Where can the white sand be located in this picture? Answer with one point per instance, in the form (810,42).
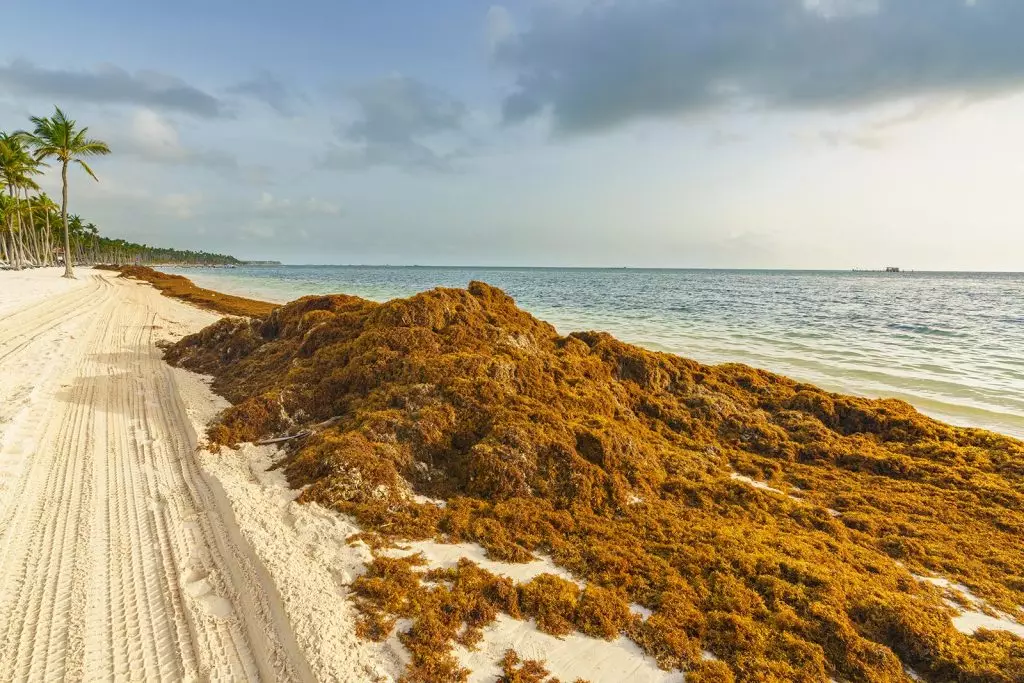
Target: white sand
(447,555)
(23,287)
(111,567)
(979,615)
(574,656)
(301,551)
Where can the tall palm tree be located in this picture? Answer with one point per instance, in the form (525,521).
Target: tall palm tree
(57,136)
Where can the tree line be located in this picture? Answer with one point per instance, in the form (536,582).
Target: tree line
(35,231)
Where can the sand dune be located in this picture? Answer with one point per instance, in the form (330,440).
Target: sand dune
(111,565)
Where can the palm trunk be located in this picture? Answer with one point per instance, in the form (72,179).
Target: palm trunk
(12,248)
(68,270)
(15,219)
(25,256)
(19,250)
(46,241)
(37,232)
(37,252)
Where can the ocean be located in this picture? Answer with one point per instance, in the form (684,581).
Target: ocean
(951,344)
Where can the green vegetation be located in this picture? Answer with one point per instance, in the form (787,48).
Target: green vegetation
(35,231)
(619,463)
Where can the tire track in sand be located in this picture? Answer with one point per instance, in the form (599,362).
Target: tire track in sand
(112,564)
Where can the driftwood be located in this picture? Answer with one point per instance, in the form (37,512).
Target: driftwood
(318,426)
(282,438)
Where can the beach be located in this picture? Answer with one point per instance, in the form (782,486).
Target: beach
(129,551)
(122,559)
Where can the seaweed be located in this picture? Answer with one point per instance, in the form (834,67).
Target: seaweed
(515,670)
(181,287)
(618,462)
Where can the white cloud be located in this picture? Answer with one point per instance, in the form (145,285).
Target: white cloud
(153,137)
(181,205)
(314,205)
(258,230)
(835,9)
(269,204)
(153,132)
(499,27)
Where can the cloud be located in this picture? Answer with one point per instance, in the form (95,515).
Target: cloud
(499,27)
(268,89)
(108,84)
(270,217)
(607,63)
(181,205)
(861,139)
(401,122)
(154,138)
(314,205)
(268,204)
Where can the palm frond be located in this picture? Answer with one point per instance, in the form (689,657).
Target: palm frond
(87,169)
(58,136)
(91,147)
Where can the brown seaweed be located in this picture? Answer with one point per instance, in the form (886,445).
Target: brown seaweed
(617,462)
(181,287)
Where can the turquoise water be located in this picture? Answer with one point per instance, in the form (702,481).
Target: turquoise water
(952,344)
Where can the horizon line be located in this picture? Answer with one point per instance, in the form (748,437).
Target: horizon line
(908,271)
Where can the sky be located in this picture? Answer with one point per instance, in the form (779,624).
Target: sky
(642,133)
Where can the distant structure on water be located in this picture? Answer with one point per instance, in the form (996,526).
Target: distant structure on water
(887,269)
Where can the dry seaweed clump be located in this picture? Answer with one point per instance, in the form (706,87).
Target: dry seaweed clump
(516,670)
(181,287)
(446,606)
(619,463)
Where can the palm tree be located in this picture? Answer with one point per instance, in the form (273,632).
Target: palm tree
(56,136)
(16,170)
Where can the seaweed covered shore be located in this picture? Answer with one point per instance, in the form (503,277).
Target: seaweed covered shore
(631,469)
(181,287)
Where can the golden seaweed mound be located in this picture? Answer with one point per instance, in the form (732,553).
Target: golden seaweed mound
(634,471)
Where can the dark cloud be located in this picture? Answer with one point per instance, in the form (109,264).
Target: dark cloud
(270,90)
(398,118)
(108,84)
(613,62)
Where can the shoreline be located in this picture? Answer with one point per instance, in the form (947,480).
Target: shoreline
(286,562)
(956,403)
(180,287)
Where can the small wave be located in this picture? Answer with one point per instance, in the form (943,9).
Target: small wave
(924,329)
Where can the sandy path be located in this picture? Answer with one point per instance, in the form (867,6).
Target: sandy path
(112,565)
